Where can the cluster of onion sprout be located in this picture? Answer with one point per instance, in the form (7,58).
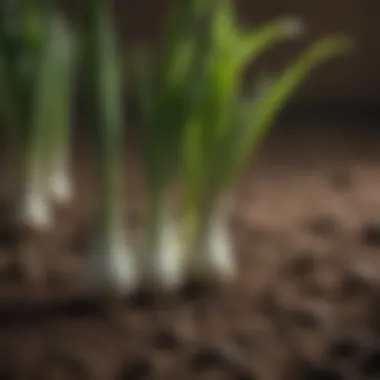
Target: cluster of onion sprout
(198,130)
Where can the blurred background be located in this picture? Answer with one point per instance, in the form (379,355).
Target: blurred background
(345,86)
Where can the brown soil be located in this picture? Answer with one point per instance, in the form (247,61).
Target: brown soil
(306,306)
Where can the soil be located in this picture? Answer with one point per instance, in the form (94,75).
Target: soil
(306,224)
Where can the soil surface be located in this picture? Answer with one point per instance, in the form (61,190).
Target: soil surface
(306,306)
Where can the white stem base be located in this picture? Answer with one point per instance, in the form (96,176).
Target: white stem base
(60,186)
(214,253)
(220,252)
(168,257)
(35,211)
(111,267)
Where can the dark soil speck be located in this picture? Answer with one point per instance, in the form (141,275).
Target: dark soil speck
(206,358)
(192,290)
(323,225)
(357,282)
(370,366)
(244,375)
(344,348)
(317,373)
(302,265)
(143,299)
(166,339)
(310,315)
(138,369)
(374,314)
(269,303)
(9,236)
(370,233)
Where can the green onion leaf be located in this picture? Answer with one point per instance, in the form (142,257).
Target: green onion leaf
(258,114)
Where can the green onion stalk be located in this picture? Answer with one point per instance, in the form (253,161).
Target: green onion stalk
(165,88)
(18,51)
(111,264)
(37,59)
(226,130)
(60,182)
(48,151)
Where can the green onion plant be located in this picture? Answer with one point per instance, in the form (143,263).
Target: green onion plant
(111,263)
(200,130)
(37,60)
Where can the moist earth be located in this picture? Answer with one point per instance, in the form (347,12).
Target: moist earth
(306,305)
